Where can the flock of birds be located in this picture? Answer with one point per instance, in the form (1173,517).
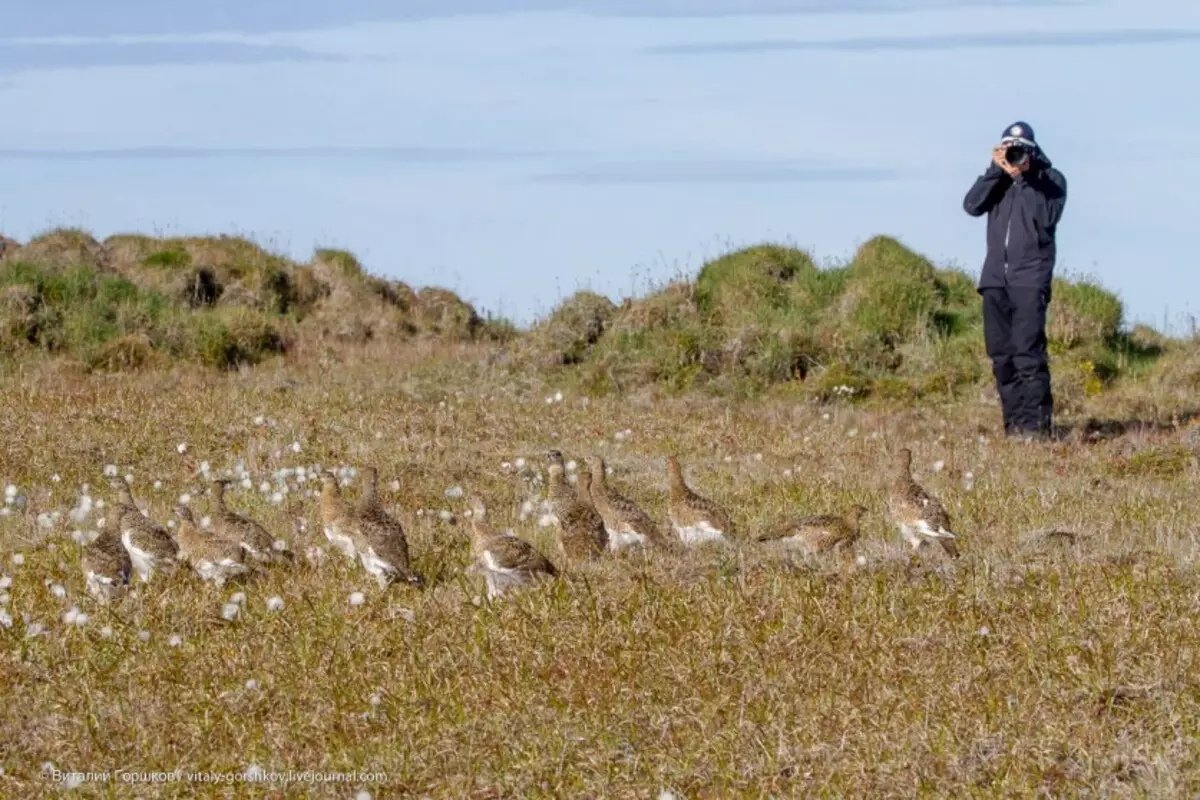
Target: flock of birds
(590,518)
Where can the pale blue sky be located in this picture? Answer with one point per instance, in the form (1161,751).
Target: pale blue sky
(517,150)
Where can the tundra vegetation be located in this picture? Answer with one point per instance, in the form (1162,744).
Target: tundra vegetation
(1055,656)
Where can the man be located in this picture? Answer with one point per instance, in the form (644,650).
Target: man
(1023,197)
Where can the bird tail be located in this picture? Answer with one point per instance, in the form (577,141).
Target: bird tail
(940,533)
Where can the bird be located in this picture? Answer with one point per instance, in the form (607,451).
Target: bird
(581,532)
(917,514)
(819,533)
(214,558)
(505,560)
(335,520)
(379,537)
(695,519)
(106,565)
(627,524)
(150,547)
(253,537)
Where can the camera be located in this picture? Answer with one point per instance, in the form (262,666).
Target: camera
(1017,154)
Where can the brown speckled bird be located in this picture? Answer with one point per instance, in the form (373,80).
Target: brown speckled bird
(917,514)
(336,520)
(627,524)
(253,537)
(379,537)
(213,558)
(819,533)
(694,518)
(151,549)
(581,533)
(106,565)
(504,560)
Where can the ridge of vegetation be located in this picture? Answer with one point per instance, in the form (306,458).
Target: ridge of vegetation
(132,301)
(888,325)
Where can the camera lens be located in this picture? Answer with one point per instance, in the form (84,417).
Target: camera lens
(1016,155)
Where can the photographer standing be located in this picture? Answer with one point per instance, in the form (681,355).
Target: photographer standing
(1023,197)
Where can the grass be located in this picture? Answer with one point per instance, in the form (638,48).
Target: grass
(1033,664)
(1037,664)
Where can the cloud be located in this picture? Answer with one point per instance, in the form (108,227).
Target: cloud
(20,57)
(872,44)
(412,155)
(712,172)
(111,17)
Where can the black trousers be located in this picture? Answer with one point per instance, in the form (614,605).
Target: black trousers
(1014,331)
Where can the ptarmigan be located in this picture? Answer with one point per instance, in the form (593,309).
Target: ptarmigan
(253,537)
(106,565)
(918,515)
(214,558)
(380,541)
(151,548)
(627,524)
(819,533)
(695,519)
(581,532)
(504,560)
(335,519)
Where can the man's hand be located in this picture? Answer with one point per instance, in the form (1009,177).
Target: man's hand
(1000,161)
(998,158)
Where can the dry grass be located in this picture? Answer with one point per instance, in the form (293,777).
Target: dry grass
(1058,656)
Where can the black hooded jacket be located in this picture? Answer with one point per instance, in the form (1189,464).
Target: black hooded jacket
(1022,219)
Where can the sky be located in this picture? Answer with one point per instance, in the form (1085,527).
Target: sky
(516,151)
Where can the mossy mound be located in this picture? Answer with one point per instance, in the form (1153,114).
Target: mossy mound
(889,324)
(224,301)
(1082,313)
(572,329)
(59,249)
